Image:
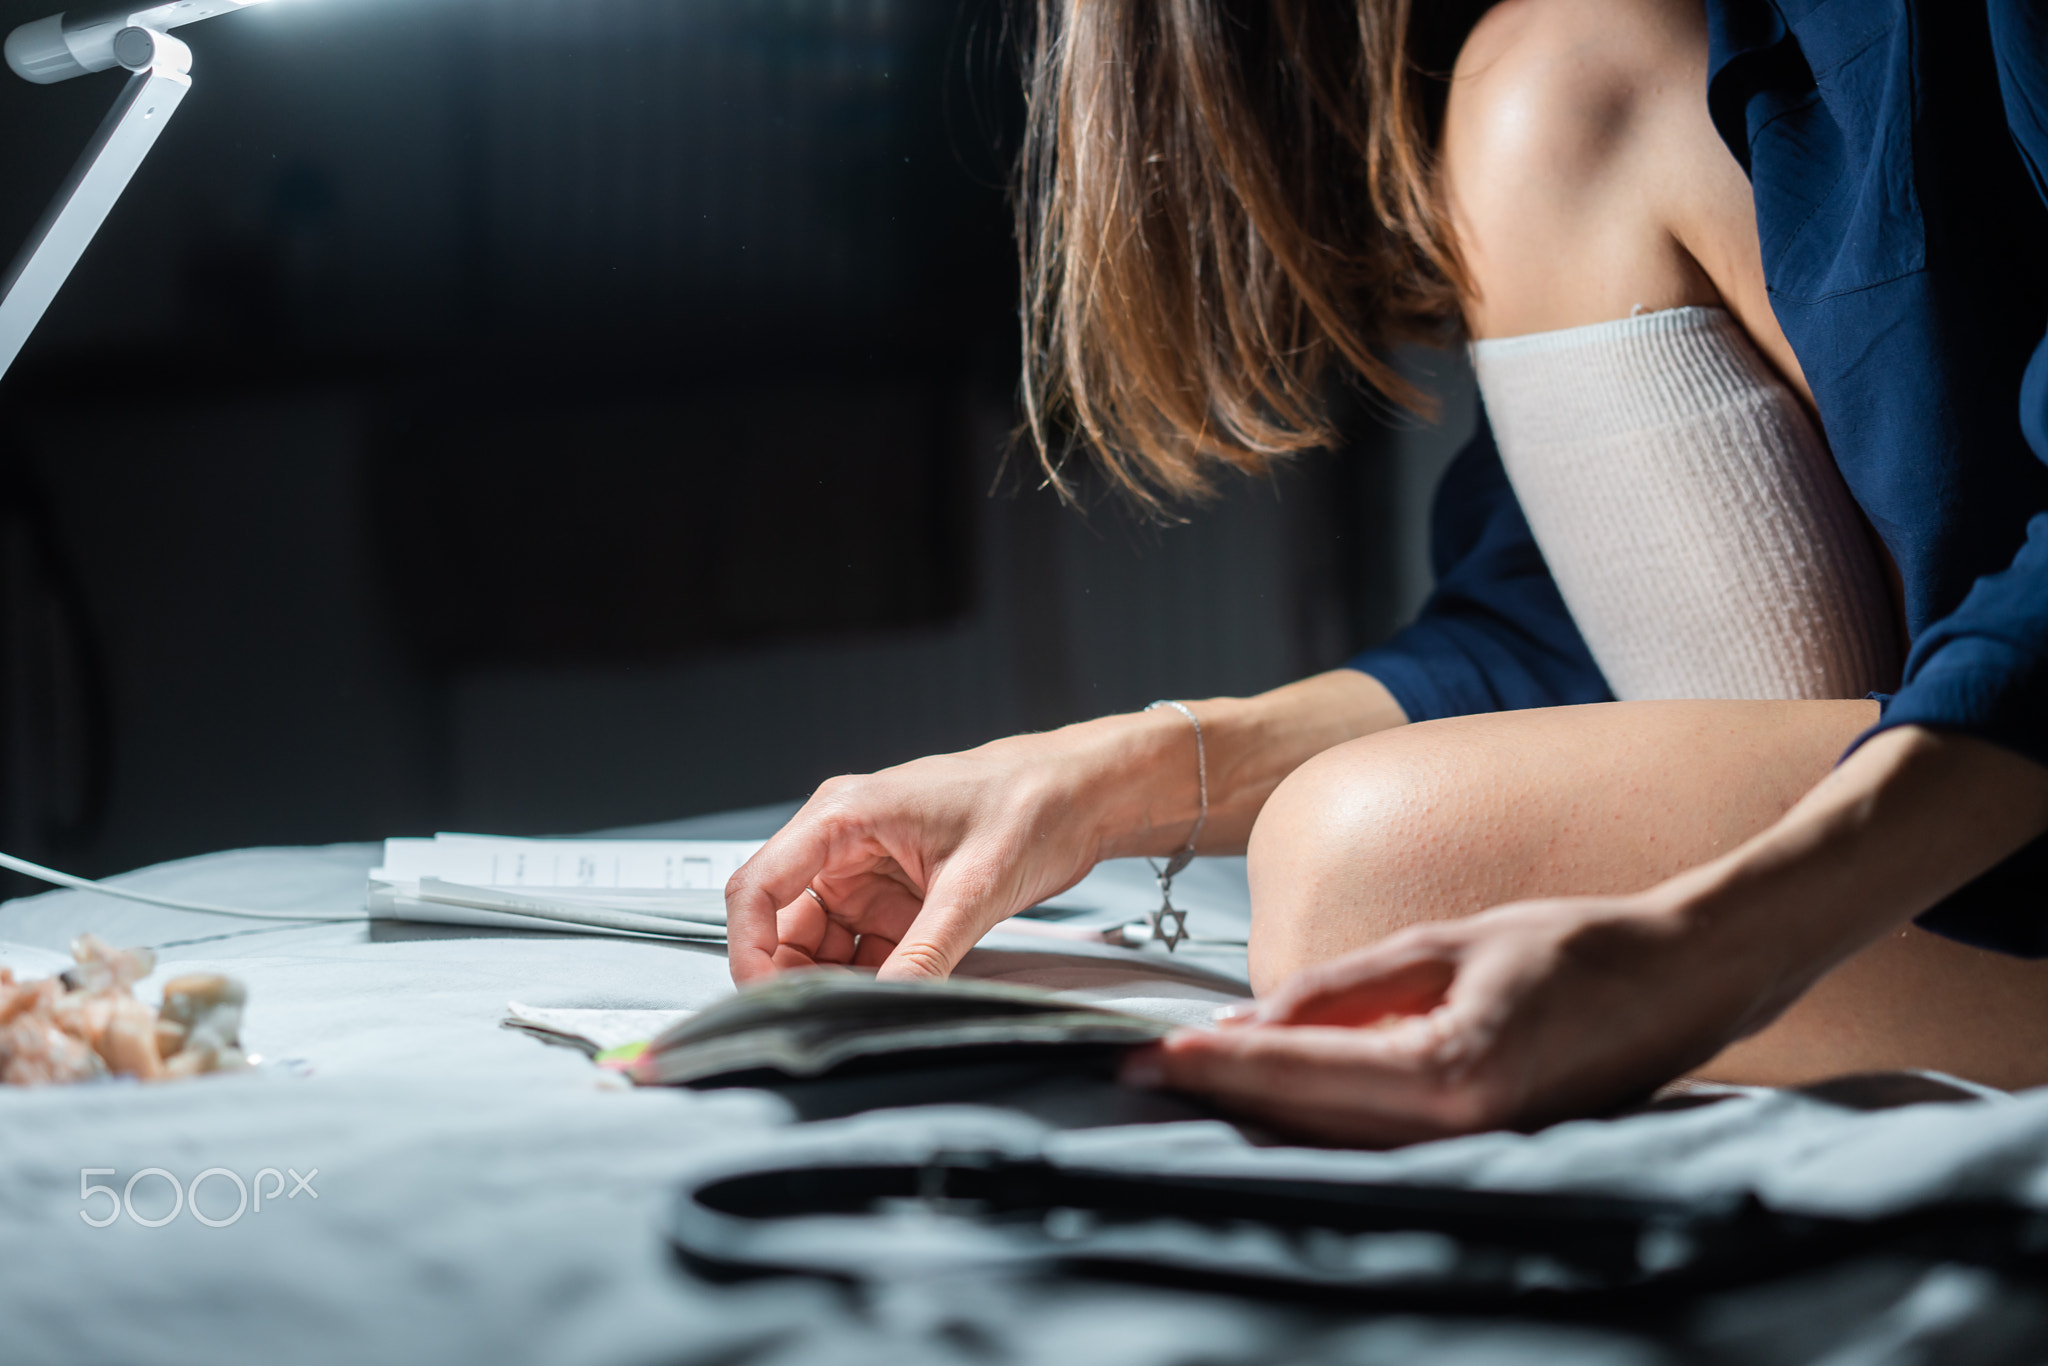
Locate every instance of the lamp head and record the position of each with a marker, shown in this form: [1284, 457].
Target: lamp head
[65, 45]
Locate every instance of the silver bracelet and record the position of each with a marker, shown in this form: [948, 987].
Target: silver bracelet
[1169, 926]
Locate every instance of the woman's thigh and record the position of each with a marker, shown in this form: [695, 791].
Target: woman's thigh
[1445, 818]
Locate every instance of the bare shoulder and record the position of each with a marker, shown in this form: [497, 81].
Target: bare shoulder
[1565, 81]
[1571, 126]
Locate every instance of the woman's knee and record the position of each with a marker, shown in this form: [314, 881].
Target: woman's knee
[1446, 818]
[1351, 847]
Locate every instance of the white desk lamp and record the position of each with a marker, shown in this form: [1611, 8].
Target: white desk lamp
[56, 49]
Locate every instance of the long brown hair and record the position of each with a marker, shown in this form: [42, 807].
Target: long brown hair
[1217, 199]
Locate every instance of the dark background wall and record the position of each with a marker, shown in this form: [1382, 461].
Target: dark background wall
[533, 415]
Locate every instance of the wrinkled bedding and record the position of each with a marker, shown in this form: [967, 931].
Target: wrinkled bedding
[470, 1194]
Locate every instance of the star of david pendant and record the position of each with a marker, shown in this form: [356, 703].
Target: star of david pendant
[1169, 926]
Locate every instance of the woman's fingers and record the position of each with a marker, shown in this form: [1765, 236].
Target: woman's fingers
[826, 878]
[916, 862]
[1303, 1064]
[766, 886]
[913, 865]
[864, 915]
[870, 902]
[847, 926]
[966, 898]
[1408, 974]
[934, 944]
[802, 925]
[840, 945]
[1376, 1086]
[789, 959]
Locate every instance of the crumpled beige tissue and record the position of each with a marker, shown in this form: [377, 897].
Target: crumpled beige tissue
[87, 1023]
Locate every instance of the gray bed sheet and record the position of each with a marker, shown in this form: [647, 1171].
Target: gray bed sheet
[473, 1195]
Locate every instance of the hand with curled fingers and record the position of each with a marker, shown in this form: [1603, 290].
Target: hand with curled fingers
[1511, 1018]
[905, 869]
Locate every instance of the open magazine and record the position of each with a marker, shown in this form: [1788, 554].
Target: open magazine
[809, 1024]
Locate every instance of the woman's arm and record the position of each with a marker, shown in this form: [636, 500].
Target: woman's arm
[912, 865]
[1539, 1010]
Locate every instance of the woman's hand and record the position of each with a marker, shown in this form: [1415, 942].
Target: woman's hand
[912, 865]
[1508, 1019]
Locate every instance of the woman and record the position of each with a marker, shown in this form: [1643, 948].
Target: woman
[1483, 892]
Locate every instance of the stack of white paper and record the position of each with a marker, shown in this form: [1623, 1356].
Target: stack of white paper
[672, 888]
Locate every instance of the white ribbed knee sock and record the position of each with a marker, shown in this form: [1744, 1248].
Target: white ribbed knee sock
[1690, 511]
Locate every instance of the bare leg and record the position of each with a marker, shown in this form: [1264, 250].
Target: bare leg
[1446, 818]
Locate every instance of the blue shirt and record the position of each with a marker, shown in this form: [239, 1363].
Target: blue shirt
[1897, 150]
